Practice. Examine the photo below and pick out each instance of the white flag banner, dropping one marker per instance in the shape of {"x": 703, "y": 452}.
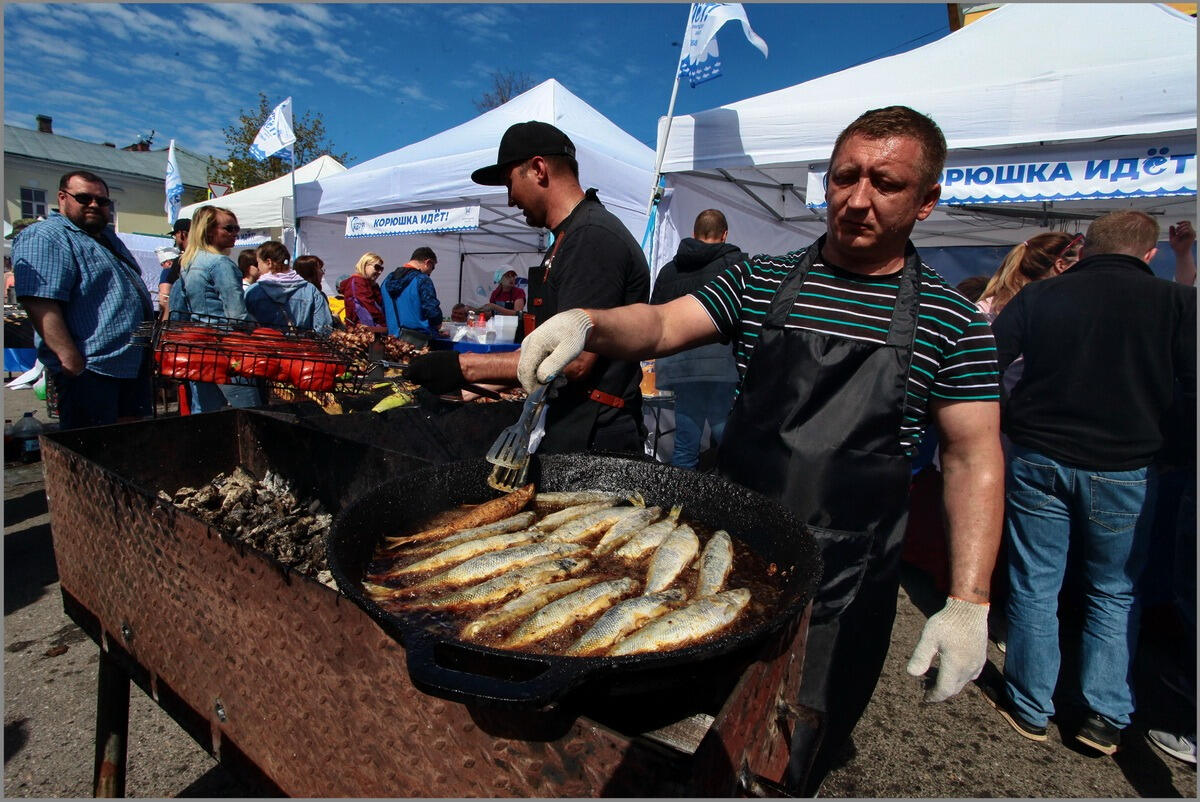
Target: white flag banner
{"x": 174, "y": 187}
{"x": 699, "y": 60}
{"x": 276, "y": 137}
{"x": 414, "y": 221}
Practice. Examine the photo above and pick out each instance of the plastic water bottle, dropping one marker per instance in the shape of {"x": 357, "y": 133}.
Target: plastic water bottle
{"x": 25, "y": 434}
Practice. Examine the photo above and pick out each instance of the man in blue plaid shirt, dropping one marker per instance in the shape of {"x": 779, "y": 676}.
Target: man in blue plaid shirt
{"x": 85, "y": 296}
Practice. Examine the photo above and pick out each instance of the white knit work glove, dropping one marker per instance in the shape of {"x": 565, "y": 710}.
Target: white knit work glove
{"x": 958, "y": 636}
{"x": 548, "y": 348}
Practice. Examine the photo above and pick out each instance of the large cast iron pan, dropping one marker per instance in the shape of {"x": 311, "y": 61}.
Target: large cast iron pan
{"x": 445, "y": 666}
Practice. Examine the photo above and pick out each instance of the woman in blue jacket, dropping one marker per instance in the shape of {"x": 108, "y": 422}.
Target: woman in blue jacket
{"x": 282, "y": 297}
{"x": 210, "y": 286}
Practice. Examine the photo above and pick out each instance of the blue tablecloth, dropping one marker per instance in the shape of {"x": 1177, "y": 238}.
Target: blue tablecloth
{"x": 446, "y": 344}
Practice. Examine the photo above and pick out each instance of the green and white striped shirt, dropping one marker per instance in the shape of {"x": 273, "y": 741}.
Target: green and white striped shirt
{"x": 955, "y": 355}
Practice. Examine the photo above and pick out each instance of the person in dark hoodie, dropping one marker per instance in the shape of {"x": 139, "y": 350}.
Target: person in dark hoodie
{"x": 705, "y": 378}
{"x": 283, "y": 297}
{"x": 410, "y": 302}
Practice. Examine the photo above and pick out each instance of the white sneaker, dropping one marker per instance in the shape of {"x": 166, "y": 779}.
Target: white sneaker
{"x": 1181, "y": 747}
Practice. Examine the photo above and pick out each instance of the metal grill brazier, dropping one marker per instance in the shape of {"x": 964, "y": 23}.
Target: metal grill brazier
{"x": 291, "y": 684}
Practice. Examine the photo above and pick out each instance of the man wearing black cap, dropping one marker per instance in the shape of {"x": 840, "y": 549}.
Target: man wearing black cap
{"x": 170, "y": 273}
{"x": 593, "y": 262}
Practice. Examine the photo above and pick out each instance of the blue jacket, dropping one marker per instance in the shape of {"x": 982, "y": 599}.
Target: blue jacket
{"x": 410, "y": 302}
{"x": 289, "y": 303}
{"x": 210, "y": 285}
{"x": 694, "y": 265}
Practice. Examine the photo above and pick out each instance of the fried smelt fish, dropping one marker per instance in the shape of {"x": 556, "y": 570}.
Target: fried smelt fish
{"x": 554, "y": 501}
{"x": 525, "y": 605}
{"x": 462, "y": 552}
{"x": 622, "y": 530}
{"x": 590, "y": 525}
{"x": 485, "y": 513}
{"x": 564, "y": 516}
{"x": 506, "y": 585}
{"x": 647, "y": 539}
{"x": 675, "y": 553}
{"x": 514, "y": 523}
{"x": 674, "y": 630}
{"x": 716, "y": 562}
{"x": 624, "y": 618}
{"x": 486, "y": 566}
{"x": 562, "y": 613}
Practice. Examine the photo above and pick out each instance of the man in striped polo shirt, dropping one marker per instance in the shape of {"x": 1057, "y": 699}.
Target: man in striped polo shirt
{"x": 846, "y": 350}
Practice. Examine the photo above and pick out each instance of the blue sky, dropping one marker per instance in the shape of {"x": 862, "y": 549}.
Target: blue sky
{"x": 386, "y": 75}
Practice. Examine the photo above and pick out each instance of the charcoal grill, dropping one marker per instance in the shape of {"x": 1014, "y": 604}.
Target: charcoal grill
{"x": 297, "y": 691}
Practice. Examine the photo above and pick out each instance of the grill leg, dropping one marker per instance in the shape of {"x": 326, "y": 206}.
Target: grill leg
{"x": 112, "y": 728}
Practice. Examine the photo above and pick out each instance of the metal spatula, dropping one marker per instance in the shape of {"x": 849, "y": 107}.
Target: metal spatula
{"x": 510, "y": 453}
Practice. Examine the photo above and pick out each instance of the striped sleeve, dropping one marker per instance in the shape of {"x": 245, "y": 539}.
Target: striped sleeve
{"x": 722, "y": 297}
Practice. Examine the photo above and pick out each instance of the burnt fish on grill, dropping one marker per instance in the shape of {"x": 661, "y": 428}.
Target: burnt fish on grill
{"x": 562, "y": 613}
{"x": 686, "y": 626}
{"x": 623, "y": 618}
{"x": 488, "y": 512}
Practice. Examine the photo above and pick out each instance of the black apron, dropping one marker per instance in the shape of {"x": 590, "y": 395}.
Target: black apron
{"x": 817, "y": 426}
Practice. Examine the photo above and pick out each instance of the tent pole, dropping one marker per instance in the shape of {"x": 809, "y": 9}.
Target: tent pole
{"x": 662, "y": 146}
{"x": 295, "y": 223}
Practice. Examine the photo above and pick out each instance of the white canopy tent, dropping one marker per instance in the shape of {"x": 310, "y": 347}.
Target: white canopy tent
{"x": 269, "y": 205}
{"x": 1108, "y": 90}
{"x": 430, "y": 180}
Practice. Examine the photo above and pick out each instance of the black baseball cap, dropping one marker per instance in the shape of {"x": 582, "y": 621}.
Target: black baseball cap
{"x": 524, "y": 141}
{"x": 182, "y": 224}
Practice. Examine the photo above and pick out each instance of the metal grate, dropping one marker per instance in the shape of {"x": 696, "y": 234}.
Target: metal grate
{"x": 215, "y": 349}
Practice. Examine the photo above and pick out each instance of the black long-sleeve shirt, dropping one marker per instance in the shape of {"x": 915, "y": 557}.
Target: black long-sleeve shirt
{"x": 1106, "y": 346}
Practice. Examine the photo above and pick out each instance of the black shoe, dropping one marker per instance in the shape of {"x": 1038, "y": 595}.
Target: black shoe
{"x": 999, "y": 700}
{"x": 1099, "y": 734}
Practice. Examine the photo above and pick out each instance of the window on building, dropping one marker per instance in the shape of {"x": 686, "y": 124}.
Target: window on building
{"x": 33, "y": 202}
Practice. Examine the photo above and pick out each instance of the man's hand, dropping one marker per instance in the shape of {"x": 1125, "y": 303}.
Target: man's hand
{"x": 551, "y": 346}
{"x": 437, "y": 371}
{"x": 1181, "y": 237}
{"x": 958, "y": 637}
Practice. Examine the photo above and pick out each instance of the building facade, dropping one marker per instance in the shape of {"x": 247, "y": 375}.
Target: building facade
{"x": 34, "y": 160}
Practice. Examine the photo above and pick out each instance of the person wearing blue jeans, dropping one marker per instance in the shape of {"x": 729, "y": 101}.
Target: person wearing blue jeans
{"x": 695, "y": 404}
{"x": 704, "y": 378}
{"x": 1048, "y": 502}
{"x": 1106, "y": 347}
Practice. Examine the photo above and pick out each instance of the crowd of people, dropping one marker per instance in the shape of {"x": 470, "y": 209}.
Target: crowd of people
{"x": 820, "y": 373}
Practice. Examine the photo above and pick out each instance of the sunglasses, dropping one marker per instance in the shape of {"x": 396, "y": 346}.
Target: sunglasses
{"x": 84, "y": 199}
{"x": 1076, "y": 241}
{"x": 230, "y": 228}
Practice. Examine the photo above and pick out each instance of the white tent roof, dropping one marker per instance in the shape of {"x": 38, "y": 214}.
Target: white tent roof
{"x": 1033, "y": 82}
{"x": 269, "y": 205}
{"x": 436, "y": 172}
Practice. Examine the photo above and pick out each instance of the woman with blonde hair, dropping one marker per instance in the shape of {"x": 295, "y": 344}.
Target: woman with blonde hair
{"x": 210, "y": 286}
{"x": 1036, "y": 258}
{"x": 364, "y": 299}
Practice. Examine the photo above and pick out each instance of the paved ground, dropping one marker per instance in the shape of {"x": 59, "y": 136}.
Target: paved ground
{"x": 904, "y": 748}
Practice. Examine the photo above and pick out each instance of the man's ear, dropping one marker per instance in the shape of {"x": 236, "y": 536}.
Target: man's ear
{"x": 1150, "y": 254}
{"x": 929, "y": 201}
